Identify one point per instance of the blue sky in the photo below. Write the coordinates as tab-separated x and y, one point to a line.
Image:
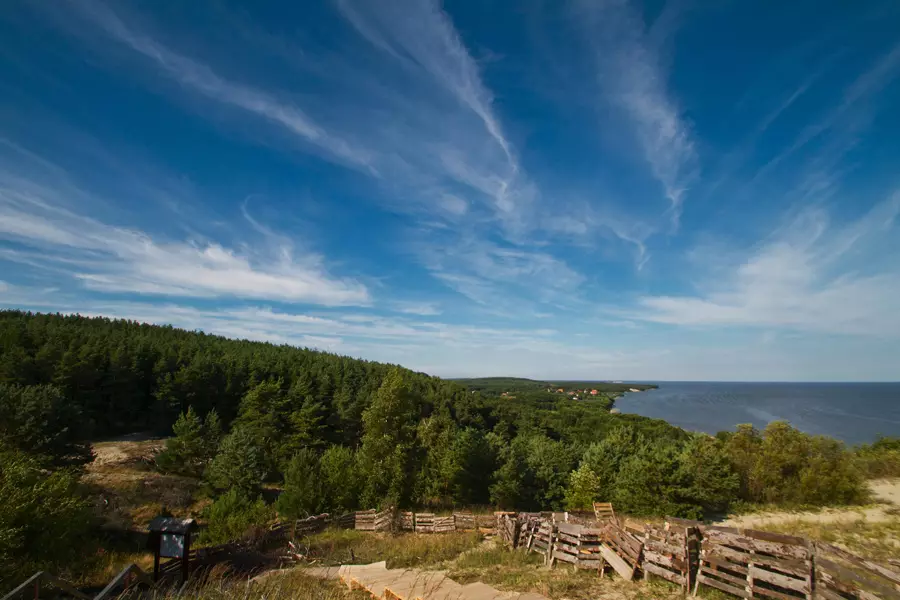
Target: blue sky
562	189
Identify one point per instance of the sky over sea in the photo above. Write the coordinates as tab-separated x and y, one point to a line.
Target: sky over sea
584	189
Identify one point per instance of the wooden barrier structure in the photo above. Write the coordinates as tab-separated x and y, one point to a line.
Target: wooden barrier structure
604	511
406	521
749	563
840	575
444	524
424	523
621	550
311	525
464	521
671	551
507	529
566	544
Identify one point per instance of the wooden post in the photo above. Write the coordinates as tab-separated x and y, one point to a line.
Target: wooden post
156	566
186	559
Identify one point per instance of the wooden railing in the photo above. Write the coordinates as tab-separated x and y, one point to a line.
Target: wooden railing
127	577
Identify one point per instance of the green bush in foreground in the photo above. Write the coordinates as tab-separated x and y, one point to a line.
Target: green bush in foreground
44	518
234	516
881	458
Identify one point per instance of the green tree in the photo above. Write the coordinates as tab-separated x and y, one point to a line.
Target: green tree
239	465
649	483
187	452
340	478
386	454
711	481
37	419
584	489
605	458
234	516
303	494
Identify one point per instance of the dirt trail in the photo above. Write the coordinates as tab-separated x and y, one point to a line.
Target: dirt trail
886	493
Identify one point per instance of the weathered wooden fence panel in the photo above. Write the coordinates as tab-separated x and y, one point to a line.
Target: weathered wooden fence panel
346	521
622	550
424	522
407	521
311	525
508	529
671	551
464	521
486	524
840	575
444	524
748	563
566	543
384	520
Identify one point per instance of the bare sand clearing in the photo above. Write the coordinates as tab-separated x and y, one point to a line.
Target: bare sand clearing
886	493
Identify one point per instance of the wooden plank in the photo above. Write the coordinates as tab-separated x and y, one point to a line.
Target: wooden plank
122	580
740	592
565	557
662	559
784	550
720	563
625	570
569	528
664	573
663	547
845	573
741	581
785	581
761	591
28	585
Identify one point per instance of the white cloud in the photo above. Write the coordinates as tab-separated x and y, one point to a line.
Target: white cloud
203	80
631	76
811	276
117	259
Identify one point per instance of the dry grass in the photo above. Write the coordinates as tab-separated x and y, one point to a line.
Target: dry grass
516	570
340	546
876	540
285	585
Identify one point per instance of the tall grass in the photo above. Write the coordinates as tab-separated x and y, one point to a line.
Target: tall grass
280	585
342	546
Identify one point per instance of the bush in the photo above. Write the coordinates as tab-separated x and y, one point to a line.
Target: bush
44	518
195	443
234	516
786	466
880	459
39	420
239	465
302	495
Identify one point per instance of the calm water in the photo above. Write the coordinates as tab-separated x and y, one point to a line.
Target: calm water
853	412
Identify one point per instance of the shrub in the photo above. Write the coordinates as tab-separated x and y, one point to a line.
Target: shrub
43	516
39	420
233	516
194	444
880	459
302	495
584	489
786	466
239	465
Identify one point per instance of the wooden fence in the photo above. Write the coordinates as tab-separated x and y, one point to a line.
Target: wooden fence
671	551
740	562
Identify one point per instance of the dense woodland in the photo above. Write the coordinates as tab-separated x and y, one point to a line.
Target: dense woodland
336	434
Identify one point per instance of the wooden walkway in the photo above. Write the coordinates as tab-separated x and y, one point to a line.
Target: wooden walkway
412	584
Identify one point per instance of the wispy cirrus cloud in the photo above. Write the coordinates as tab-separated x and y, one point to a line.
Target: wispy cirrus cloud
632	77
202	79
44	234
807	277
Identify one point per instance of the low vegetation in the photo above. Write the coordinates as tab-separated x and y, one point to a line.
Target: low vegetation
341	546
251	422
